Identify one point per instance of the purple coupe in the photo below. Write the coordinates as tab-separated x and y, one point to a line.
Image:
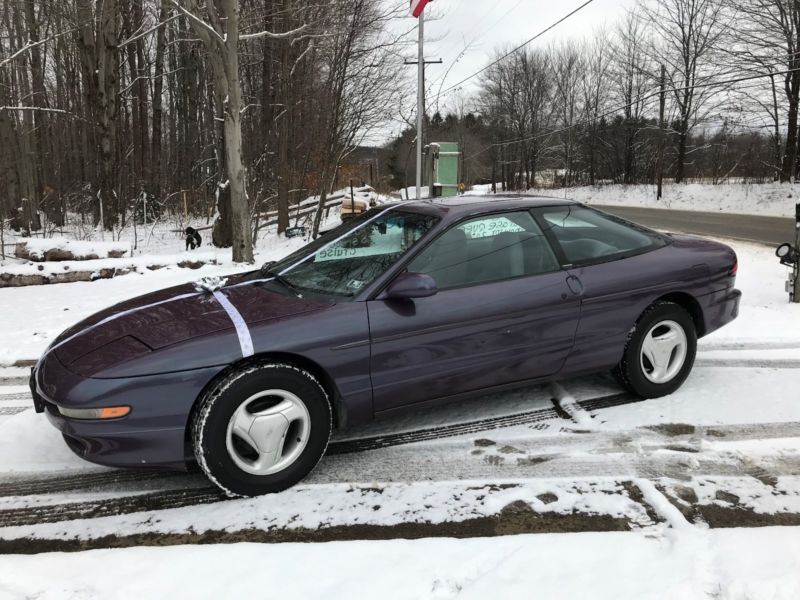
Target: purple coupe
408	305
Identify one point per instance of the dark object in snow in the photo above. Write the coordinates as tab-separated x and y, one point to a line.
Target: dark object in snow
193	239
298	231
460	297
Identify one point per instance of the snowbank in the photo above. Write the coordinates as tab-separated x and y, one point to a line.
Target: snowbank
772	199
104	268
410	193
755	564
58	249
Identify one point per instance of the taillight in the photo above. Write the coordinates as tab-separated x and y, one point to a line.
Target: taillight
734	269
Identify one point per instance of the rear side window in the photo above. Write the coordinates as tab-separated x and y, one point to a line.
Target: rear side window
486	249
586	235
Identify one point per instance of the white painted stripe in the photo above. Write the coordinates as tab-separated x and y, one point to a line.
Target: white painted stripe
245	340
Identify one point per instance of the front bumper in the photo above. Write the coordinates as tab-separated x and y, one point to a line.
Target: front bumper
153	435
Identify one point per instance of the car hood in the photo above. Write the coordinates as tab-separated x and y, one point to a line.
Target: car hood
168	317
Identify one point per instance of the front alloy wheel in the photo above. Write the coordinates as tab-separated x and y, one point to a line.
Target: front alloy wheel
261	429
268	432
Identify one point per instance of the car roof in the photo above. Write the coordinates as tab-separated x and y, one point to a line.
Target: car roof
460	206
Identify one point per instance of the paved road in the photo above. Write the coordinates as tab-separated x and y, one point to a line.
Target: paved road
766	230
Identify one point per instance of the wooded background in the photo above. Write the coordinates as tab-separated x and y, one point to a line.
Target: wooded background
105	102
113	110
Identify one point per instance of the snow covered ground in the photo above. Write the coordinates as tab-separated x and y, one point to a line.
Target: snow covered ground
771	199
686	565
669	497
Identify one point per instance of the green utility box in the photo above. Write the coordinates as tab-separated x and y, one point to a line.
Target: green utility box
441	173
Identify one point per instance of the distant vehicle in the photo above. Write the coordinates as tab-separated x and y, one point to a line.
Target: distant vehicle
405	306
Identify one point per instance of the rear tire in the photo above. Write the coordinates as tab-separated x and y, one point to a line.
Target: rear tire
261	429
660	351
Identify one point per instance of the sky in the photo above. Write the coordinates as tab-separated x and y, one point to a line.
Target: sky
481	26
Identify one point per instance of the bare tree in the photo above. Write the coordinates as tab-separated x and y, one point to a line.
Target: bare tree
767	39
568	72
632	75
98	31
687	35
595	99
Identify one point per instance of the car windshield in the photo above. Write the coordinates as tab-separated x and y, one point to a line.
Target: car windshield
349	258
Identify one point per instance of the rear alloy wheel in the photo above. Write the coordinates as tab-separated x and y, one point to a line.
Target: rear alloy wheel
660	352
262	429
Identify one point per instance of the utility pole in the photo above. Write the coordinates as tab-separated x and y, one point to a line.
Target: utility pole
418	11
663	104
420	101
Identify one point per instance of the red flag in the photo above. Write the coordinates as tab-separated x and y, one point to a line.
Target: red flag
417	6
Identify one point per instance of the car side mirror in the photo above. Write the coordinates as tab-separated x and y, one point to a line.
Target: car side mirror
409	286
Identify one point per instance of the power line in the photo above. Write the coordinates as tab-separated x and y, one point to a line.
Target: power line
520	47
480	35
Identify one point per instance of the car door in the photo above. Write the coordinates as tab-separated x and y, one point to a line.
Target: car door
504	313
608	258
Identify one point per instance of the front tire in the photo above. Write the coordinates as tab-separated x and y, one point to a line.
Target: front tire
261	429
660	351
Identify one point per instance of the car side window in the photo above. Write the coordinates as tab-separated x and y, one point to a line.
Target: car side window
586	235
486	249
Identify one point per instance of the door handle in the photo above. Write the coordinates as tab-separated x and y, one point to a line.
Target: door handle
575	285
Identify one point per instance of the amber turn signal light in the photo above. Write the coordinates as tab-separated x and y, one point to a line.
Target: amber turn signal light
109	412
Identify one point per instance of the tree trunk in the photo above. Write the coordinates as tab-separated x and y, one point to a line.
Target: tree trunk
38	100
240	212
158	111
682	143
790	154
99	63
232	104
9	175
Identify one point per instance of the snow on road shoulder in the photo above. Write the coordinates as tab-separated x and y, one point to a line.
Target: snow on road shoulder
766	200
754	564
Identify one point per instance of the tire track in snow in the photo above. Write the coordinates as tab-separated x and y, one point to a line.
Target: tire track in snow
748	363
33	515
734	346
25	487
437	463
22	398
482	425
